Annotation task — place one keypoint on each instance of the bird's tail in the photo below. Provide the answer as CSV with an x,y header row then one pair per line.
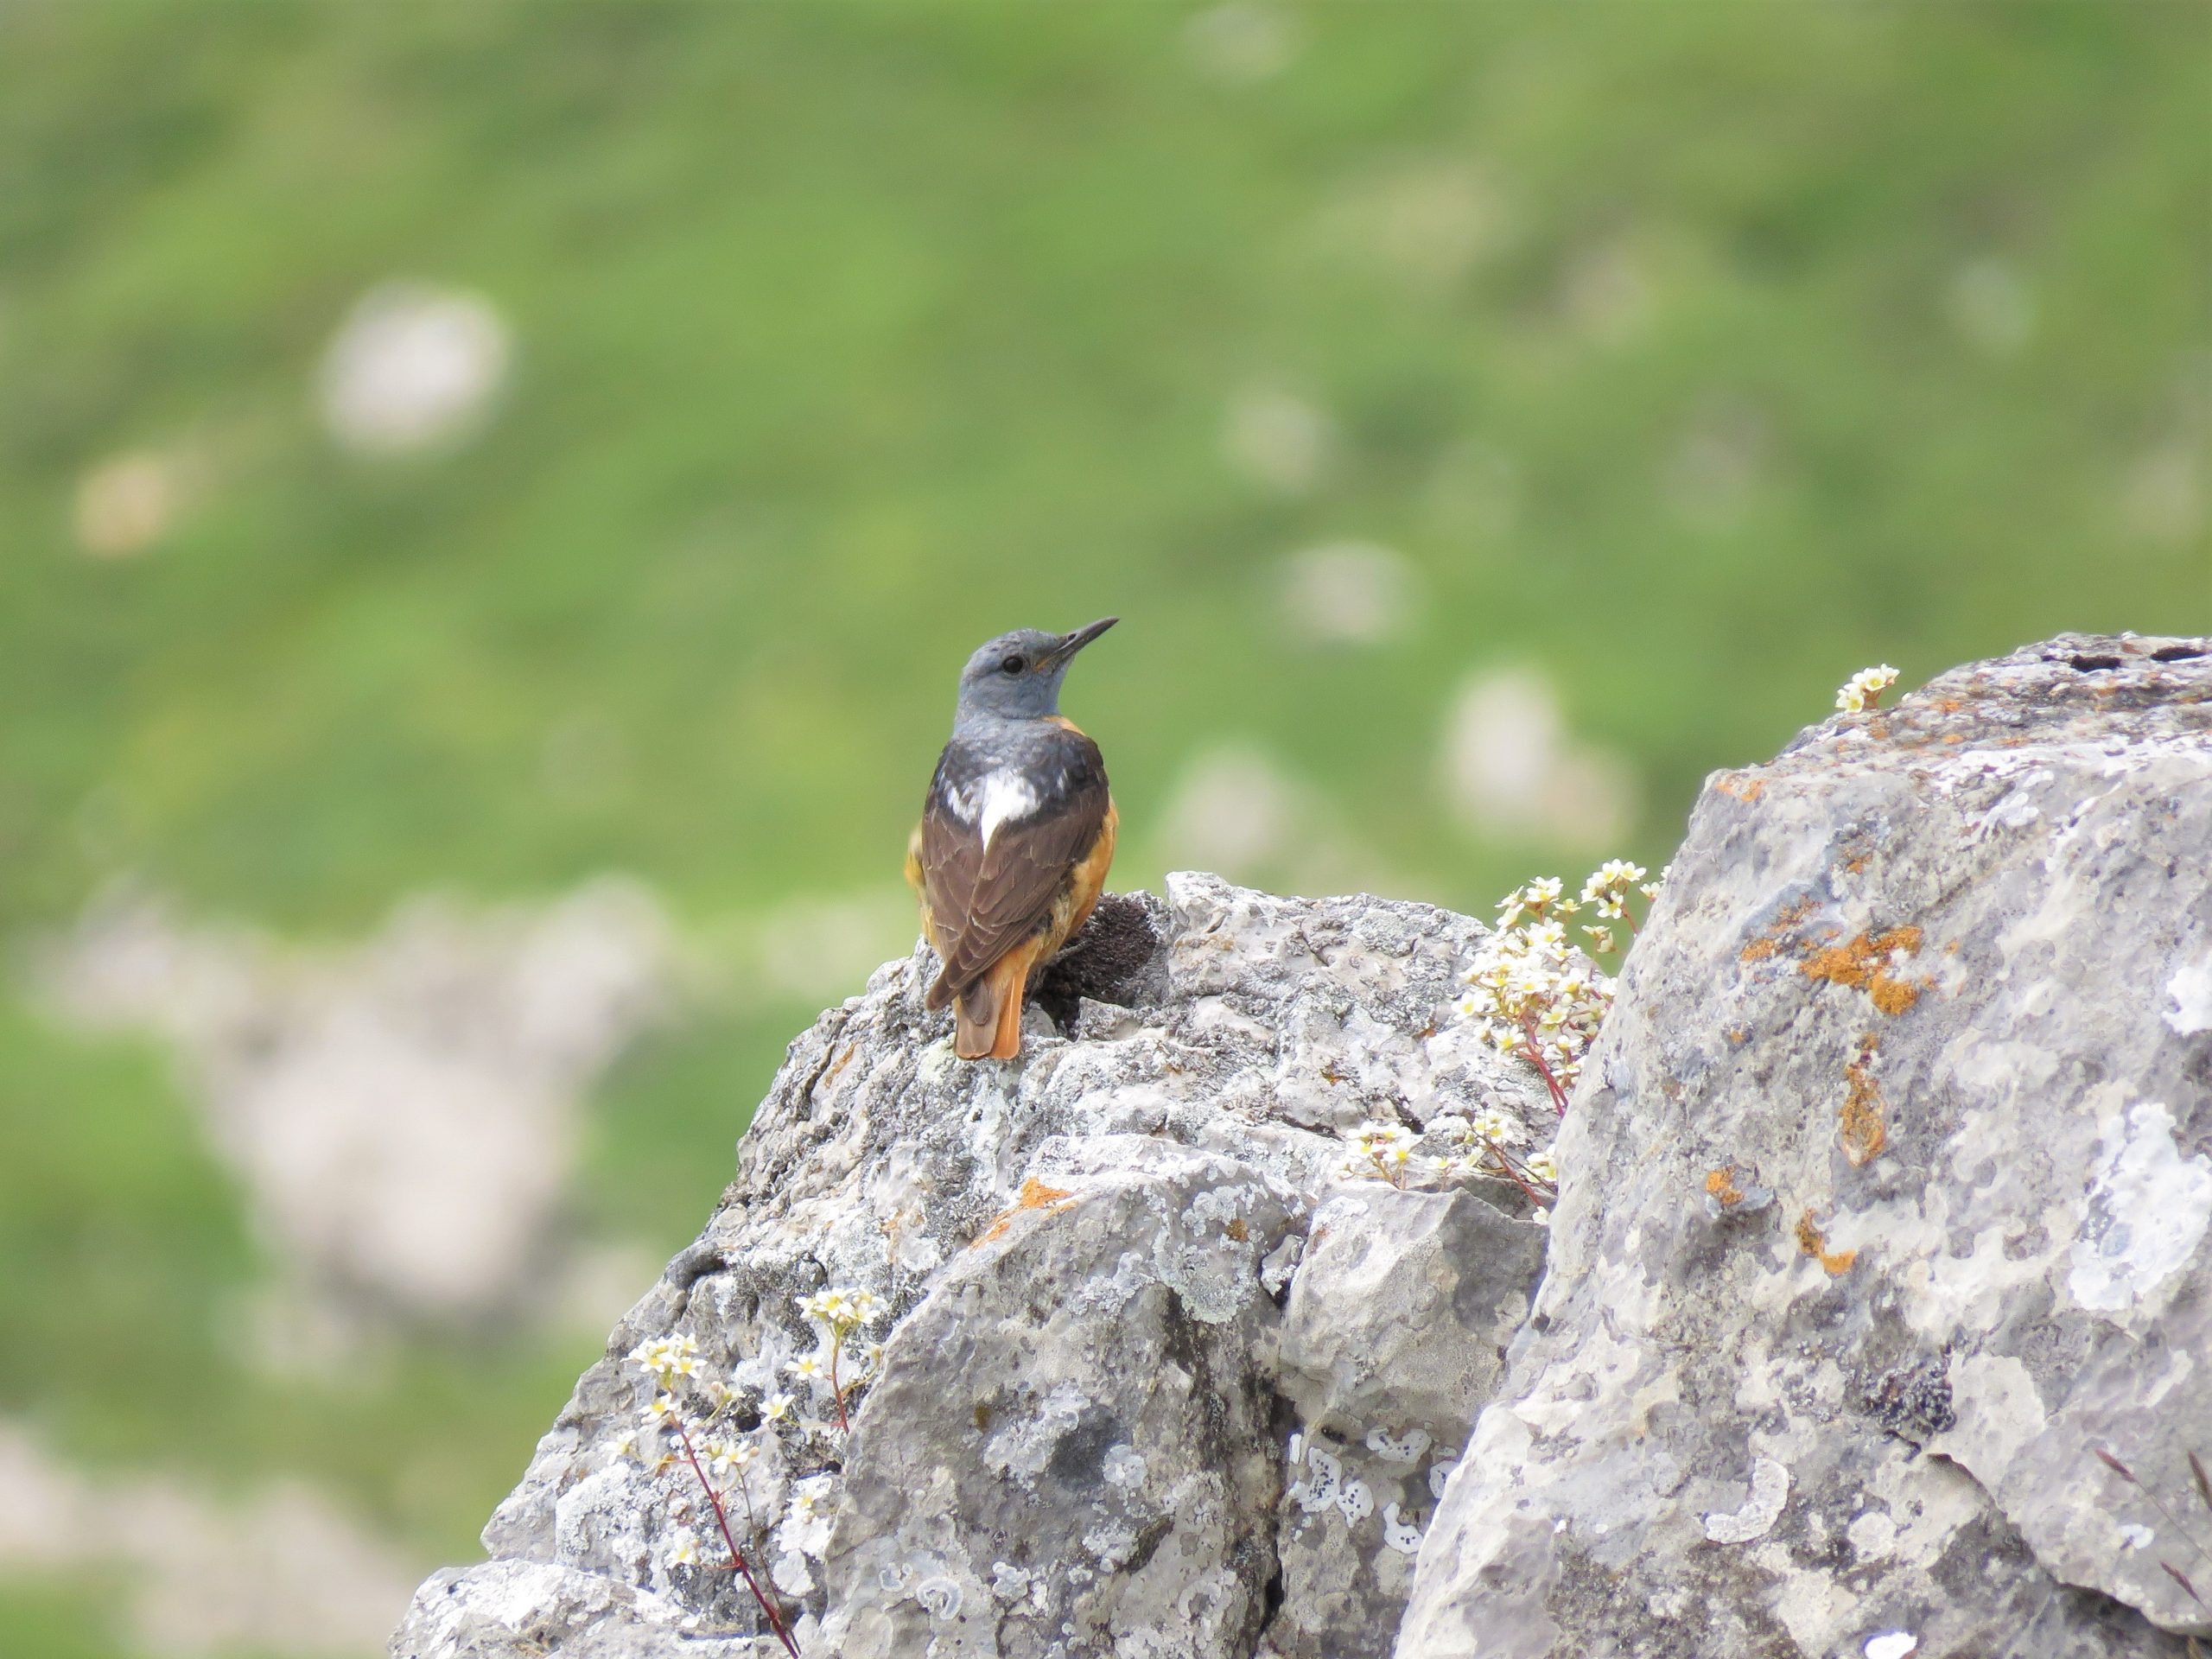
x,y
975,1020
987,1017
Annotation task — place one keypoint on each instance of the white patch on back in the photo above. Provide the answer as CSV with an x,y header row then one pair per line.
x,y
1007,796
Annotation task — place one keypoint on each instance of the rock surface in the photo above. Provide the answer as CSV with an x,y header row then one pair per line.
x,y
1887,1194
1095,1429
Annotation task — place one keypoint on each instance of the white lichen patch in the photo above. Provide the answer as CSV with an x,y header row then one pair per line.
x,y
1399,1533
1324,1476
940,1597
1355,1502
1125,1468
1110,1543
1024,1448
2190,992
1404,1447
1769,1492
2145,1212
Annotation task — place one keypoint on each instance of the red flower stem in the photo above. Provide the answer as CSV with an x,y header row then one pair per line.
x,y
1514,1175
836,1347
737,1555
1537,1060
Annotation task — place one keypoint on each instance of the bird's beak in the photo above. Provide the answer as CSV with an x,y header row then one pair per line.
x,y
1071,643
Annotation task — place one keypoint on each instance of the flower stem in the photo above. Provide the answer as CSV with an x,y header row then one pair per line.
x,y
736,1555
1537,1060
836,1390
1520,1178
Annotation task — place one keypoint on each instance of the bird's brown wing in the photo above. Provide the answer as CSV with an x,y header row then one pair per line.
x,y
987,900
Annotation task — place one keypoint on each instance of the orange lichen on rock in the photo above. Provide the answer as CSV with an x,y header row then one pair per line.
x,y
1721,1185
1770,942
1739,785
1863,964
1861,1129
1034,1195
1814,1242
1236,1228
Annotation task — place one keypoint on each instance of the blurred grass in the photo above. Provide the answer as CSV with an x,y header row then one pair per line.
x,y
850,334
60,1620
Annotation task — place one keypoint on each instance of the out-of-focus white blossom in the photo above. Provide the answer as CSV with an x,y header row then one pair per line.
x,y
1863,689
1380,1149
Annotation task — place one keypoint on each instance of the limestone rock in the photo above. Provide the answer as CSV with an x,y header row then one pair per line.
x,y
1878,1316
1395,1335
1079,1441
1886,1198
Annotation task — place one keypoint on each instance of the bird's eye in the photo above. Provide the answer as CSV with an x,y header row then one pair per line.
x,y
1013,665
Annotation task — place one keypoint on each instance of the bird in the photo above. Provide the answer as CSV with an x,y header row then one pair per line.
x,y
1016,836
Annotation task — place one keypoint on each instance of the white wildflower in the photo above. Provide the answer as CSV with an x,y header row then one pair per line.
x,y
1863,689
828,1307
1383,1149
806,1530
864,1305
726,1454
1501,1128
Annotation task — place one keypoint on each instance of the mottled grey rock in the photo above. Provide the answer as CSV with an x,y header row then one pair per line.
x,y
1395,1335
523,1610
1079,1440
1074,1448
1939,979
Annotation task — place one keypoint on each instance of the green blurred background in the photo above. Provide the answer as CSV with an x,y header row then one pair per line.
x,y
477,449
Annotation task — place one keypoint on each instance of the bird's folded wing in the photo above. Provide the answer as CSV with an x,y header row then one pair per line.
x,y
987,899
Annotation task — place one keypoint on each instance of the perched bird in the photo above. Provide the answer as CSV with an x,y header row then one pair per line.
x,y
1016,834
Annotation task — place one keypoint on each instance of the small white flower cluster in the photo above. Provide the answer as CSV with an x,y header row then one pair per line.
x,y
1487,1144
1534,995
1863,689
1384,1151
691,1422
1605,890
844,1356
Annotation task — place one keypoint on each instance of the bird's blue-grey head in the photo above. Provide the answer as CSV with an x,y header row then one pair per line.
x,y
1018,675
